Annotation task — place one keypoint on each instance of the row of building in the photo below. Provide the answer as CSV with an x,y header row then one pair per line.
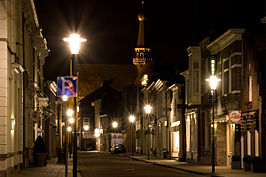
x,y
180,124
27,102
181,120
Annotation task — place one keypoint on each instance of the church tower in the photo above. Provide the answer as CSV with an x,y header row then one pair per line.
x,y
142,54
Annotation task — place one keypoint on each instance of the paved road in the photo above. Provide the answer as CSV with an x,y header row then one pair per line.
x,y
97,164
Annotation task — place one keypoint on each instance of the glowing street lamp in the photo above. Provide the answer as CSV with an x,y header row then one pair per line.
x,y
213,80
132,120
74,41
69,129
70,112
71,120
97,132
115,124
65,98
86,127
148,109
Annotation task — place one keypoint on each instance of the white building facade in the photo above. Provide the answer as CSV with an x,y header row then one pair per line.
x,y
22,53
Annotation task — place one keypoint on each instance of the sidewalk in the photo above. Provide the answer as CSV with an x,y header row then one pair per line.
x,y
224,171
51,170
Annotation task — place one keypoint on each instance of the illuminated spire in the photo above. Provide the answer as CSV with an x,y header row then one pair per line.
x,y
142,54
141,18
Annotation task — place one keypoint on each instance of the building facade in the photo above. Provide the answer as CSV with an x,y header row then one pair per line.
x,y
22,54
227,49
253,95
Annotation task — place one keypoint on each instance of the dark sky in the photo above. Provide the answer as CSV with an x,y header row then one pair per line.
x,y
111,28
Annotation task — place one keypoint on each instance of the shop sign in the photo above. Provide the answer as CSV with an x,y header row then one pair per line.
x,y
235,117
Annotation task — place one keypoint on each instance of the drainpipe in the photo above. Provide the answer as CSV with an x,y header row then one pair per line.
x,y
24,83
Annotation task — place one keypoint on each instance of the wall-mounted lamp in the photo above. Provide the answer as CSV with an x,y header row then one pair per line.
x,y
17,68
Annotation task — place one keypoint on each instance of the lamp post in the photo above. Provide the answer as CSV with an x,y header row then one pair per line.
x,y
74,41
71,120
132,120
69,114
148,109
213,80
65,98
114,125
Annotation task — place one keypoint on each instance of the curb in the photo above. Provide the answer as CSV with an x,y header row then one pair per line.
x,y
168,166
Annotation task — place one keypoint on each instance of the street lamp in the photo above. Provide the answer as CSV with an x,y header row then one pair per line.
x,y
148,109
71,120
69,129
86,127
97,132
213,80
115,124
70,112
64,98
74,41
132,120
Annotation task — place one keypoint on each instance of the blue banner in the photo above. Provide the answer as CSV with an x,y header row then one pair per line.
x,y
67,86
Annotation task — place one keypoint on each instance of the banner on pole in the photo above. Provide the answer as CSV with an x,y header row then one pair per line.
x,y
67,86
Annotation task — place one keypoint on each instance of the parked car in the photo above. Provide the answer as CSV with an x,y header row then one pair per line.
x,y
118,148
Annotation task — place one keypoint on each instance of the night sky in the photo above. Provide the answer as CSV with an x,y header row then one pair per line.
x,y
111,28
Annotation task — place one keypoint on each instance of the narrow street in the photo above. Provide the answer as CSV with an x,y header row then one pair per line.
x,y
98,164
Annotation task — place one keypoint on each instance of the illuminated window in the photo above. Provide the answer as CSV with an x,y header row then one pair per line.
x,y
250,89
188,134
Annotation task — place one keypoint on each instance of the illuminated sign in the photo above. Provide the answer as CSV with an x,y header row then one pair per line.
x,y
67,86
235,117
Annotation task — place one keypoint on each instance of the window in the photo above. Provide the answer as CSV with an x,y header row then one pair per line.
x,y
188,133
250,88
195,77
85,121
236,78
226,82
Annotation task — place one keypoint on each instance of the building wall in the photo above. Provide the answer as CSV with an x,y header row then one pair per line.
x,y
19,35
11,135
252,95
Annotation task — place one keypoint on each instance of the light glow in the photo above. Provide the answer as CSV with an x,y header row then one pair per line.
x,y
69,129
86,127
70,112
115,124
132,118
74,41
65,98
213,80
148,109
97,132
71,120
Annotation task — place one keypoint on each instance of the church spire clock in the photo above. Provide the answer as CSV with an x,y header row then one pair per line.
x,y
142,54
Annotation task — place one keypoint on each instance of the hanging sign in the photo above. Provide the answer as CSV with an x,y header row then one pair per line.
x,y
235,117
67,86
